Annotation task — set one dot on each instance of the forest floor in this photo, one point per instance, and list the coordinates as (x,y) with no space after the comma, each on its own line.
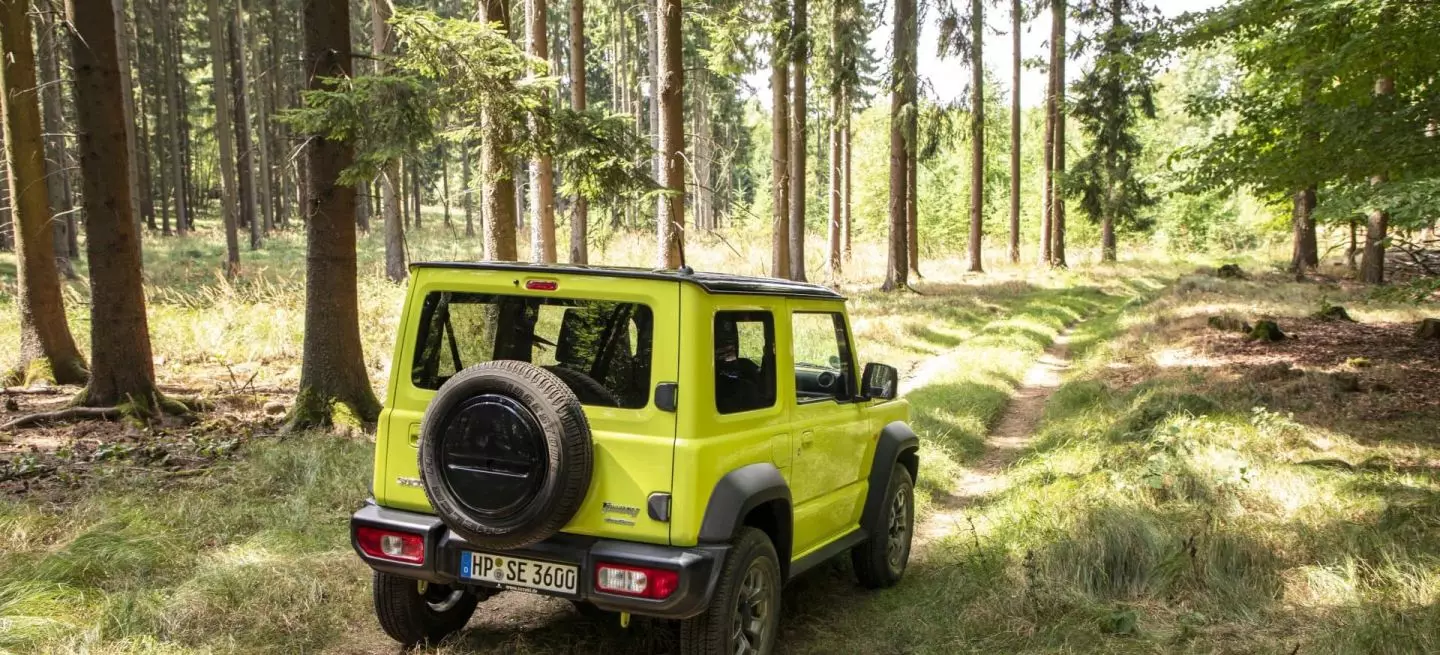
(1182,489)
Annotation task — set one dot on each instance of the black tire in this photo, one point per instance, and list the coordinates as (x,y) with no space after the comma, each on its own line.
(880,561)
(714,631)
(413,612)
(521,482)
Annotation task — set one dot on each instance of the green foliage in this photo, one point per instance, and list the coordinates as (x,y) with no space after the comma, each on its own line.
(1113,96)
(384,117)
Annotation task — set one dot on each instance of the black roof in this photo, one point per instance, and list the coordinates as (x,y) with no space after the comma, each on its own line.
(719,283)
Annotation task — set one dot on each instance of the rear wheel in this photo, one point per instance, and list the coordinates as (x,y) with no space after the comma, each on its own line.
(880,561)
(744,616)
(416,612)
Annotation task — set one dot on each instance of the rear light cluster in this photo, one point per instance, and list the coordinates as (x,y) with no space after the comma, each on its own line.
(390,545)
(638,581)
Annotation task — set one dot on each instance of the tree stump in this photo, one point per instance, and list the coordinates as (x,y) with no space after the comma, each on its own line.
(1266,331)
(1231,272)
(1229,324)
(1334,313)
(1429,329)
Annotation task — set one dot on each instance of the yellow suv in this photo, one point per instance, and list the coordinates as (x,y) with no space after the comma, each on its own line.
(661,443)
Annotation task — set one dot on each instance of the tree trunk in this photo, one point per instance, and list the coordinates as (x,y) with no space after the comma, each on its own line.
(127,88)
(977,134)
(1306,255)
(580,213)
(382,43)
(262,138)
(467,198)
(47,350)
(121,366)
(671,227)
(243,161)
(444,183)
(653,33)
(846,218)
(495,166)
(1057,177)
(1353,251)
(1016,10)
(1047,170)
(1372,261)
(780,139)
(835,173)
(897,265)
(542,168)
(799,105)
(222,137)
(56,153)
(333,367)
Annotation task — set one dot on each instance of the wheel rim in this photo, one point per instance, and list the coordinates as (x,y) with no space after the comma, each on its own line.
(751,622)
(440,598)
(899,537)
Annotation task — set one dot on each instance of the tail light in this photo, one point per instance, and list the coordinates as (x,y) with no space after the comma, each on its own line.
(379,543)
(638,581)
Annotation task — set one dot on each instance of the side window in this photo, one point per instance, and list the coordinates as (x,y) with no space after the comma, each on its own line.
(824,369)
(744,361)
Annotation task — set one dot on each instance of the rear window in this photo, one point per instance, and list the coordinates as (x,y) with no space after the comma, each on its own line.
(601,350)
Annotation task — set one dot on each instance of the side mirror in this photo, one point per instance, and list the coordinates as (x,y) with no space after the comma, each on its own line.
(879,382)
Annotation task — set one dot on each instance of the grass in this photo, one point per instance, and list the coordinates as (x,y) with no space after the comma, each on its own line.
(1159,510)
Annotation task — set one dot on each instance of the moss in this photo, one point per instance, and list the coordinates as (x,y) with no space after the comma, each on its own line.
(1333,313)
(1266,331)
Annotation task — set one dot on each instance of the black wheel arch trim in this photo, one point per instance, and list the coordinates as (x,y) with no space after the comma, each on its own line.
(740,492)
(897,444)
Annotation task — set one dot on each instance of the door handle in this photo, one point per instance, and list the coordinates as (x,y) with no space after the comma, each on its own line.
(806,438)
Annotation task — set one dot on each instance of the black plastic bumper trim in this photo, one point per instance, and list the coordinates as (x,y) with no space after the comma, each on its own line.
(699,566)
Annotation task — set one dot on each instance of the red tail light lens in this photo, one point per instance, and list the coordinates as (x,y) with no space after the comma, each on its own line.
(638,581)
(542,285)
(390,545)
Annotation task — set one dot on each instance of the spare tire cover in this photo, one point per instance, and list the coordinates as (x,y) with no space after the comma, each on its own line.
(505,454)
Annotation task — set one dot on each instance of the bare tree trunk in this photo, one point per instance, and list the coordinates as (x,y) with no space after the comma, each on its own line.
(47,350)
(580,213)
(467,199)
(56,173)
(1047,209)
(382,43)
(835,173)
(127,87)
(262,138)
(445,183)
(653,51)
(1016,9)
(1372,261)
(846,219)
(542,168)
(671,228)
(897,266)
(495,165)
(243,160)
(799,106)
(1353,251)
(1306,255)
(333,366)
(780,138)
(1057,178)
(222,137)
(977,134)
(121,366)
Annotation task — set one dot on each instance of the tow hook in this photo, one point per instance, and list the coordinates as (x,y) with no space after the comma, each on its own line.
(625,619)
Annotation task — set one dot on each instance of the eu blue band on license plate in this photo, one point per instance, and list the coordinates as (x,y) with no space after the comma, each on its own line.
(466,564)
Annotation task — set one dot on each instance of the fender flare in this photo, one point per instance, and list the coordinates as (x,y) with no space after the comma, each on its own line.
(737,494)
(897,443)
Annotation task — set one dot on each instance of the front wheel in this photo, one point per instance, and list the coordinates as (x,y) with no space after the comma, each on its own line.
(416,612)
(880,561)
(744,616)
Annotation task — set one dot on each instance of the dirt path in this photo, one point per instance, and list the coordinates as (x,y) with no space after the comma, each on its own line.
(1011,435)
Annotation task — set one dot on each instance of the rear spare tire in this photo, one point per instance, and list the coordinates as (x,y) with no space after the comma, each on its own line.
(505,454)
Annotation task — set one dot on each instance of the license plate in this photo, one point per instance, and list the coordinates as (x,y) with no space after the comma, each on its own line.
(519,573)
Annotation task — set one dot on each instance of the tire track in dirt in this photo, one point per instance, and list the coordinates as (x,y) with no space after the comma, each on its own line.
(1011,435)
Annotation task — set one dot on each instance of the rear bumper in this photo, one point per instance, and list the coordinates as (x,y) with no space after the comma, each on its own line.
(699,566)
